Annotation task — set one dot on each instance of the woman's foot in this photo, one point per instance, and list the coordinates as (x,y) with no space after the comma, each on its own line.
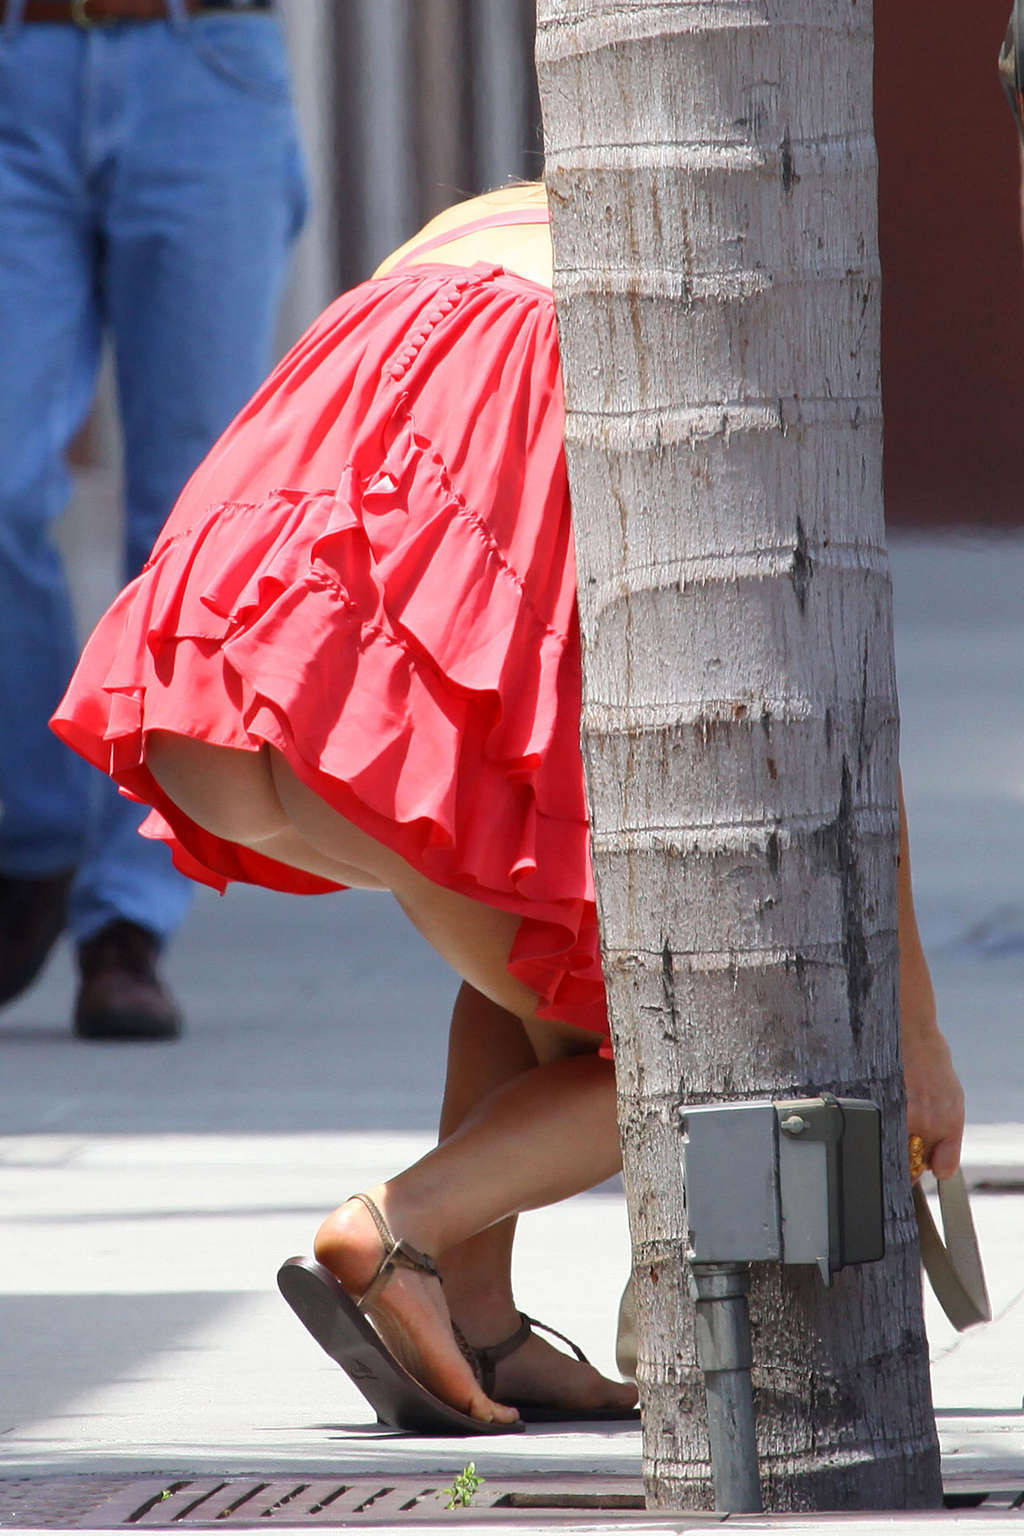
(409,1311)
(539,1373)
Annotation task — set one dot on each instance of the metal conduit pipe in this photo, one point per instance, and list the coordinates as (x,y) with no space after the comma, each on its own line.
(724,1355)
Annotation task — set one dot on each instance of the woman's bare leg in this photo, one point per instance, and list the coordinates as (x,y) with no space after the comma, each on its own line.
(487,1047)
(547,1133)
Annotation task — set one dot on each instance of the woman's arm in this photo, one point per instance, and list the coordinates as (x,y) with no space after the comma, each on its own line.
(935,1099)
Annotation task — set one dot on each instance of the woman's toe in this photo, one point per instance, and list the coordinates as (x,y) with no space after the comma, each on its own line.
(483,1407)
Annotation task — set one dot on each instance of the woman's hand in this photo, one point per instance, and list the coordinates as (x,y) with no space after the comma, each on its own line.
(935,1098)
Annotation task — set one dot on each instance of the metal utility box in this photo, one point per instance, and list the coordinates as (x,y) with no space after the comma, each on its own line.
(798,1181)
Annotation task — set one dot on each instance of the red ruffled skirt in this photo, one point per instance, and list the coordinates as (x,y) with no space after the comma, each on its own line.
(373,571)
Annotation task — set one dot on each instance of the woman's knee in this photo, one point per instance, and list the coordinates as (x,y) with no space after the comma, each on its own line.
(227,791)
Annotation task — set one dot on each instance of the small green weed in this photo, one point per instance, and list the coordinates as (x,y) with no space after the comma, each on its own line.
(464,1485)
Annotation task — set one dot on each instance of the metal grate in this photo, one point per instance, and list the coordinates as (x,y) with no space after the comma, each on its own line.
(105,1503)
(288,1500)
(252,1502)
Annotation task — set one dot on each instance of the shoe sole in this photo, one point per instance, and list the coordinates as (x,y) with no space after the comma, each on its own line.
(327,1311)
(544,1413)
(125,1026)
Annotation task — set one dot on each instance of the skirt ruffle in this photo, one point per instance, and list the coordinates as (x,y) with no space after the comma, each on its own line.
(399,621)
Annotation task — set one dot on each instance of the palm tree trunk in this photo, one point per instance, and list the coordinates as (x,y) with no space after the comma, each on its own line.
(711,173)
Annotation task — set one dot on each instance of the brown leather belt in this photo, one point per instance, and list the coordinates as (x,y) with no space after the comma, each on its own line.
(96,13)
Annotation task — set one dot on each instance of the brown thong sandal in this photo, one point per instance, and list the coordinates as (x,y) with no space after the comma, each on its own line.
(488,1358)
(337,1322)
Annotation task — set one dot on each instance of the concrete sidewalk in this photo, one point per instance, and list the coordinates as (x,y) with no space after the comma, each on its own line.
(142,1332)
(147,1194)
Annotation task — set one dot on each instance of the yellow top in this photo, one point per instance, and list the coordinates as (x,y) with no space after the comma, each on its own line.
(521,248)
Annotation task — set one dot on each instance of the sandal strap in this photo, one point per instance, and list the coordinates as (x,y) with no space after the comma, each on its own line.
(489,1356)
(398,1254)
(555,1333)
(466,1350)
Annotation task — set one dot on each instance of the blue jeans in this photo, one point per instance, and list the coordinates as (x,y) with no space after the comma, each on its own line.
(151,184)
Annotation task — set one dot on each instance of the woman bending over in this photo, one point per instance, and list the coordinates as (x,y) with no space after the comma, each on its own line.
(353,660)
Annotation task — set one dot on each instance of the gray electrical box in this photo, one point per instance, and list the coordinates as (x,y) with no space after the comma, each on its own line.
(794,1180)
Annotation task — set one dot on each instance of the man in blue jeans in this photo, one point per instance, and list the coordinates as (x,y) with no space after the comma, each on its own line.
(151,185)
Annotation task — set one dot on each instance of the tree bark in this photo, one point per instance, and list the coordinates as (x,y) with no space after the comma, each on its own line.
(711,174)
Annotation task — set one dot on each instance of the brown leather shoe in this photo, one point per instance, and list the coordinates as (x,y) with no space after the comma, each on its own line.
(121,996)
(33,911)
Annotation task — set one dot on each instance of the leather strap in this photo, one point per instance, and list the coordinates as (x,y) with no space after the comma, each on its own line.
(556,1335)
(488,1356)
(397,1255)
(93,13)
(625,1334)
(953,1267)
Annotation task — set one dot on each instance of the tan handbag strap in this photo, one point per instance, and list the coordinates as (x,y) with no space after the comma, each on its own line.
(953,1267)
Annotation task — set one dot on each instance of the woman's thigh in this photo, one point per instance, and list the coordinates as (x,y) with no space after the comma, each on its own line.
(474,938)
(256,799)
(231,793)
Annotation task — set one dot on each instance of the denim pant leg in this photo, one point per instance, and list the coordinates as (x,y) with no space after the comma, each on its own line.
(49,351)
(205,197)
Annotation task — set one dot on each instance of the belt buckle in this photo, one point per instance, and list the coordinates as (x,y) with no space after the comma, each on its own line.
(81,18)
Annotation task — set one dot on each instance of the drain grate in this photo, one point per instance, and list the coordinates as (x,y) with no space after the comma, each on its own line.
(288,1500)
(251,1502)
(105,1503)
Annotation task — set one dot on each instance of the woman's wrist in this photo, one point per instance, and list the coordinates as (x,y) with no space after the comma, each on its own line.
(920,1024)
(919,1019)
